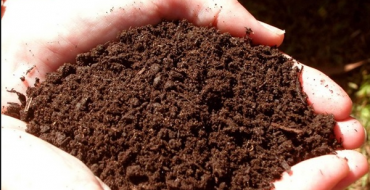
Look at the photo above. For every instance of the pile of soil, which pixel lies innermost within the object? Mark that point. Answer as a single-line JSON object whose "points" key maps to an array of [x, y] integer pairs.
{"points": [[176, 106]]}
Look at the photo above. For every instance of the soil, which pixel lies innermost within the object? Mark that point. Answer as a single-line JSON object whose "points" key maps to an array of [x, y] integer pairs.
{"points": [[175, 106]]}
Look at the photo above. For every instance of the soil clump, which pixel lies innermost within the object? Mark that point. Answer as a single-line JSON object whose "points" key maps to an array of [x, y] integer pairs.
{"points": [[176, 106]]}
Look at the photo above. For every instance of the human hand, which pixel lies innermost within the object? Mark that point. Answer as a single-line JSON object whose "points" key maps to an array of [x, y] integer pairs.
{"points": [[31, 163], [49, 33]]}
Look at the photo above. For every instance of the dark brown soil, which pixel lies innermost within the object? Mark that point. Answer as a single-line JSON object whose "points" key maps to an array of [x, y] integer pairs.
{"points": [[175, 106]]}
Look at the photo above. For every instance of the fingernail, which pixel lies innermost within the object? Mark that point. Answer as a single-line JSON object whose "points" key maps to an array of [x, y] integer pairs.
{"points": [[272, 28]]}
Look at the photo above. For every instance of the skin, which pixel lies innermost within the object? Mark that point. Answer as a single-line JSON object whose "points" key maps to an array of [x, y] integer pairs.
{"points": [[45, 34]]}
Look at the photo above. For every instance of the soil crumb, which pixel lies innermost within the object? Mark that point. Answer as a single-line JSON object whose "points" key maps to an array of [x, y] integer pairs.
{"points": [[176, 106]]}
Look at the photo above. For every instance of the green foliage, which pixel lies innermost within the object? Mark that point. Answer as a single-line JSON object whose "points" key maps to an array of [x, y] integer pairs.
{"points": [[361, 111], [361, 102]]}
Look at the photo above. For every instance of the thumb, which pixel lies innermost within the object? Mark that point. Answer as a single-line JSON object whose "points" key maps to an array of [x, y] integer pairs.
{"points": [[227, 16], [277, 34], [234, 18]]}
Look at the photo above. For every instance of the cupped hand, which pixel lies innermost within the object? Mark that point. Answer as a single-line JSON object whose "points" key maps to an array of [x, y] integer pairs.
{"points": [[31, 163], [46, 34]]}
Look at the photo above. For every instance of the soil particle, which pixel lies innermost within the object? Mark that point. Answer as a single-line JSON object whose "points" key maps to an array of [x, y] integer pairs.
{"points": [[30, 69], [175, 106]]}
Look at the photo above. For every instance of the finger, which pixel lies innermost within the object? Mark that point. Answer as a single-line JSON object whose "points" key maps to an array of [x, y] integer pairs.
{"points": [[317, 173], [98, 22], [30, 163], [227, 16], [350, 132], [49, 37], [358, 167], [324, 95]]}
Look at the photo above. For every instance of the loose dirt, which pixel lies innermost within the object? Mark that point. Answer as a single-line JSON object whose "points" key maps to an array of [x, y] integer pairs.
{"points": [[176, 106]]}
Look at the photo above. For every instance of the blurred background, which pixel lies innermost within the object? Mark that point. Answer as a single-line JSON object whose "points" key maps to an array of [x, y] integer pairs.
{"points": [[332, 36]]}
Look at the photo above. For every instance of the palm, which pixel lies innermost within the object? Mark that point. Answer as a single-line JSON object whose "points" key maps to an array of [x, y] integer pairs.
{"points": [[47, 34]]}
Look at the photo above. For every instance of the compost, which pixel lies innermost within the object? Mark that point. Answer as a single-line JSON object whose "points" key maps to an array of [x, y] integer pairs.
{"points": [[177, 106]]}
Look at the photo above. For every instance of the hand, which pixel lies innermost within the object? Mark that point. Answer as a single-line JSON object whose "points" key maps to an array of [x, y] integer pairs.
{"points": [[31, 163], [49, 33]]}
